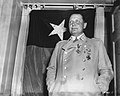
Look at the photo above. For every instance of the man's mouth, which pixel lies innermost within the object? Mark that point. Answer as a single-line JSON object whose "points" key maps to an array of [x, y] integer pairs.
{"points": [[74, 29]]}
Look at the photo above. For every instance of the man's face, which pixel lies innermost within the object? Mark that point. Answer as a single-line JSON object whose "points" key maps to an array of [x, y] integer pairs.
{"points": [[76, 24]]}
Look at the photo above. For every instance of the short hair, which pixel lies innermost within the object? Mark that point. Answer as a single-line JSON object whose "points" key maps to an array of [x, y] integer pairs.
{"points": [[80, 13]]}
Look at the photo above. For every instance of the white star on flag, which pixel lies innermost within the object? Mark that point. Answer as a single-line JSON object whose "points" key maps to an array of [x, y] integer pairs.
{"points": [[58, 29]]}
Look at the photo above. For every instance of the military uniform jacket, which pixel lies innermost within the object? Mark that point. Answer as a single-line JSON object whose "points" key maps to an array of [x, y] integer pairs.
{"points": [[80, 68]]}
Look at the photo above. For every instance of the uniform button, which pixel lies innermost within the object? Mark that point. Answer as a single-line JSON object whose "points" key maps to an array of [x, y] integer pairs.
{"points": [[65, 60], [83, 69], [65, 67], [84, 60], [65, 52], [65, 77], [85, 46], [84, 51], [64, 80], [82, 78]]}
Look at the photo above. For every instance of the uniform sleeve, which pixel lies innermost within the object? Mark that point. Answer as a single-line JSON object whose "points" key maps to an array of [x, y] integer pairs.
{"points": [[105, 69], [51, 69]]}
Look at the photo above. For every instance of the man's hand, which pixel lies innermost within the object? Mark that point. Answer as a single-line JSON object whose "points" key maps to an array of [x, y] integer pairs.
{"points": [[103, 85]]}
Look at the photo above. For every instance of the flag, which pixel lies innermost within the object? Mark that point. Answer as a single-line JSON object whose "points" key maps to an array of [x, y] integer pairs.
{"points": [[41, 42], [40, 26]]}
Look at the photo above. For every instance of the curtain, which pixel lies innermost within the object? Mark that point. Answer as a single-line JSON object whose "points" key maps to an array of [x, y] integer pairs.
{"points": [[16, 89], [103, 31], [116, 37], [99, 23], [36, 61], [109, 46]]}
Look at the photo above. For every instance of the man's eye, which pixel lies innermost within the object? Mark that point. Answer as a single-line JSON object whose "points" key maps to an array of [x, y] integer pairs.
{"points": [[71, 22], [78, 22], [75, 22]]}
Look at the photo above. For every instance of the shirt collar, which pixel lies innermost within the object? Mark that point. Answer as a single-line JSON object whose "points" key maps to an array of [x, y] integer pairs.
{"points": [[70, 41], [80, 37]]}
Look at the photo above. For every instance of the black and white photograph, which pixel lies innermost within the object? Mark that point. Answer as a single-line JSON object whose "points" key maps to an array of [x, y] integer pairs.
{"points": [[59, 48]]}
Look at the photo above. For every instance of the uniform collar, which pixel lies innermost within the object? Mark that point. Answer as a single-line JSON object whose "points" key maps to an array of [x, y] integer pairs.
{"points": [[71, 39], [80, 37]]}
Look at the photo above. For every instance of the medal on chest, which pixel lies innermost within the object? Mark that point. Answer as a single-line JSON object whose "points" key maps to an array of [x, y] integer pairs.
{"points": [[88, 53], [79, 48]]}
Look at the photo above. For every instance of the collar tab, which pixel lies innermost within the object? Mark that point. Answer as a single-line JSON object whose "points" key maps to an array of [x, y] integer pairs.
{"points": [[80, 37]]}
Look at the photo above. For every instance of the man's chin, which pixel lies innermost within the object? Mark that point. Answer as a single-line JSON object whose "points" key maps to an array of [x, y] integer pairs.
{"points": [[75, 34]]}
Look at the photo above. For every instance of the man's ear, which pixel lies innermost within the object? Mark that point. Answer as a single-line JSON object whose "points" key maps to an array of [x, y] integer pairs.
{"points": [[85, 24]]}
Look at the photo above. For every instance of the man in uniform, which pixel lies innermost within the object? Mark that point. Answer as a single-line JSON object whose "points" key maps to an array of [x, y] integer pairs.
{"points": [[79, 66]]}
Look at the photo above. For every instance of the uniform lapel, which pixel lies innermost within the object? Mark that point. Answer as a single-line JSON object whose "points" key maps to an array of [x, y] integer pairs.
{"points": [[67, 45], [70, 44]]}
